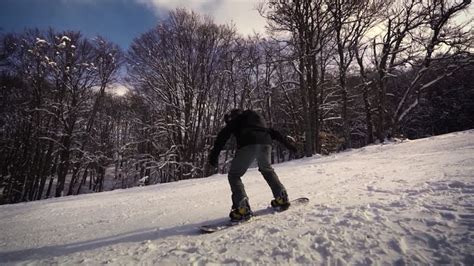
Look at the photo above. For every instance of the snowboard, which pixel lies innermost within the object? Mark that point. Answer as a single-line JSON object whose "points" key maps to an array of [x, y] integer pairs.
{"points": [[212, 228]]}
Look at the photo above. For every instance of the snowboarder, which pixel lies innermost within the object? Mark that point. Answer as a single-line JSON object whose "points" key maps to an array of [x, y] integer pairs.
{"points": [[254, 141]]}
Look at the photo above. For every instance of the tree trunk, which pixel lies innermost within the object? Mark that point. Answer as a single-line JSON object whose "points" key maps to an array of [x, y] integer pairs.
{"points": [[50, 186], [368, 116], [83, 180], [308, 145], [63, 168]]}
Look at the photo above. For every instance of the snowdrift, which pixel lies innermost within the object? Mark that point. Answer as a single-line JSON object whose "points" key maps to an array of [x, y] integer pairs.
{"points": [[410, 202]]}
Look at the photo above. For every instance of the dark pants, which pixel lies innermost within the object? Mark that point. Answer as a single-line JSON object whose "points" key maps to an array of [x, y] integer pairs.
{"points": [[242, 160]]}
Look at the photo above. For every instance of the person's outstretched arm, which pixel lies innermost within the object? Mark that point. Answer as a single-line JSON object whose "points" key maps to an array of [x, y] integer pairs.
{"points": [[276, 135], [219, 143]]}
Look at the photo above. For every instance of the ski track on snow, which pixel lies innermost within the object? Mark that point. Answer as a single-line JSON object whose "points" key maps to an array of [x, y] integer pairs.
{"points": [[400, 203]]}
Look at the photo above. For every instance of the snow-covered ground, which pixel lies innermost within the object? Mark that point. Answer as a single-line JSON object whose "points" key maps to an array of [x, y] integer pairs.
{"points": [[399, 203]]}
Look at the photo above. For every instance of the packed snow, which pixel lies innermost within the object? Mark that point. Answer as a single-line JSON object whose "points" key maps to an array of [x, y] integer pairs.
{"points": [[408, 202]]}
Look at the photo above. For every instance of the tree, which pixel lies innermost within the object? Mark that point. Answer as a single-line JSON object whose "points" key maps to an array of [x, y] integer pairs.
{"points": [[179, 67], [105, 66], [413, 29], [307, 23], [351, 20], [58, 73], [436, 34]]}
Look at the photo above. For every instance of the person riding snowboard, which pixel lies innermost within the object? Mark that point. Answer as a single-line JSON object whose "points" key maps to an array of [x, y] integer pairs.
{"points": [[254, 141]]}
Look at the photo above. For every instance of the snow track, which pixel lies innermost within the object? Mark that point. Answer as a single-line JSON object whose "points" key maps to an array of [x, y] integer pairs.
{"points": [[399, 203]]}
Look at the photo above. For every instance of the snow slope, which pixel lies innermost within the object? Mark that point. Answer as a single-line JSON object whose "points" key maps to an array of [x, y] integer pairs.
{"points": [[400, 203]]}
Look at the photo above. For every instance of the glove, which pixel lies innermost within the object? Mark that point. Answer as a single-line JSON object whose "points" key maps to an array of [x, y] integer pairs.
{"points": [[289, 143], [213, 159]]}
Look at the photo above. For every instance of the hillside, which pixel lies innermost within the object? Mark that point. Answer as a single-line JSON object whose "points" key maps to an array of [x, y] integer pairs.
{"points": [[410, 202]]}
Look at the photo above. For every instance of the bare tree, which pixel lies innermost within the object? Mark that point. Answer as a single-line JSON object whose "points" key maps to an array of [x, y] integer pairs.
{"points": [[401, 20], [351, 21], [105, 65], [436, 34], [59, 74], [178, 67], [307, 23]]}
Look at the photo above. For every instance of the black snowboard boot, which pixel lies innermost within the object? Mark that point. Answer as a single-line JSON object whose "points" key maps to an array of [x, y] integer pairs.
{"points": [[281, 202], [241, 213]]}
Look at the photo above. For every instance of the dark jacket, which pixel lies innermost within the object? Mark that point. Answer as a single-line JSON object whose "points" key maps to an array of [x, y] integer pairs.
{"points": [[248, 128]]}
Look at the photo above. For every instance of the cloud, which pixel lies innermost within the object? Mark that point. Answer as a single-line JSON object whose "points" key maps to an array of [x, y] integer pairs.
{"points": [[165, 5], [242, 13], [116, 89], [119, 89]]}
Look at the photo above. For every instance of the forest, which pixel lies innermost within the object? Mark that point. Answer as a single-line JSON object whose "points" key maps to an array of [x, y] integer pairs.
{"points": [[331, 74]]}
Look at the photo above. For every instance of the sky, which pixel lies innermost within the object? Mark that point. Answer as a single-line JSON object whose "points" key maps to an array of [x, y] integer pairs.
{"points": [[120, 21]]}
